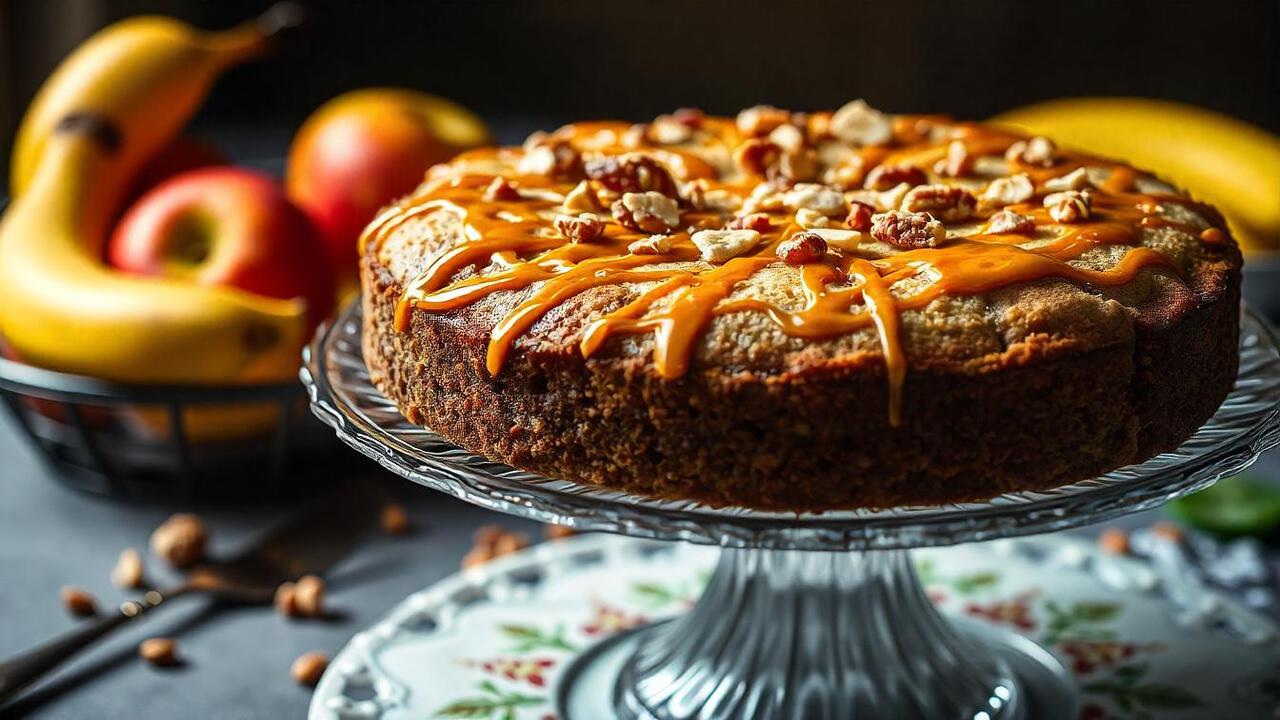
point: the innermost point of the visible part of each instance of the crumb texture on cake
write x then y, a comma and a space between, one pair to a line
802, 311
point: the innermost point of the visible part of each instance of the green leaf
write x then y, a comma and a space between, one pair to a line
977, 581
521, 631
1237, 506
1094, 612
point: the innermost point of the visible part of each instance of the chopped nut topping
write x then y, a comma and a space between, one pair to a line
755, 221
1069, 206
818, 198
78, 602
635, 136
801, 248
652, 245
395, 521
859, 216
756, 156
798, 166
540, 160
846, 176
718, 246
631, 173
1077, 179
180, 540
787, 137
947, 203
700, 196
308, 595
1038, 151
859, 123
583, 228
582, 198
892, 198
839, 237
761, 120
667, 130
692, 117
1008, 191
649, 212
908, 229
501, 190
807, 218
883, 177
765, 196
309, 668
957, 163
159, 651
1008, 222
128, 570
286, 600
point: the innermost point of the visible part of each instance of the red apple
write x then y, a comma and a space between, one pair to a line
361, 150
226, 226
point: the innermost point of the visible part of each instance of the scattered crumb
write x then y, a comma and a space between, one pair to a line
128, 572
308, 595
395, 521
159, 651
180, 540
1114, 541
309, 667
79, 602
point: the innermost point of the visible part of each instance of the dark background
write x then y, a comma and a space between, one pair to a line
553, 61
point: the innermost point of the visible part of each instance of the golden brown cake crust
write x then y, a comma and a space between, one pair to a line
1028, 385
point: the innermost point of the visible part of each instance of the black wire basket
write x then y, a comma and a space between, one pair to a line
155, 442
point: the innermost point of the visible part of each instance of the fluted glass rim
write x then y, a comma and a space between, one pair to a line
342, 396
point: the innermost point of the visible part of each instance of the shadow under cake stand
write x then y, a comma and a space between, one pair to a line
816, 616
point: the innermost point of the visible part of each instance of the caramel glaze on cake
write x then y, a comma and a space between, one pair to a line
801, 311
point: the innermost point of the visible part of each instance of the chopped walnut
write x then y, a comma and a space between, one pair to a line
180, 540
128, 572
947, 203
1008, 222
1069, 206
582, 198
787, 137
859, 123
549, 155
807, 218
667, 130
802, 248
652, 245
649, 212
1038, 151
756, 156
761, 120
755, 221
78, 602
883, 177
1008, 191
309, 668
700, 196
908, 229
859, 216
631, 173
958, 161
159, 651
718, 246
1077, 179
582, 228
501, 190
818, 198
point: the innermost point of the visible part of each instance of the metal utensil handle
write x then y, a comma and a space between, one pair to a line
26, 667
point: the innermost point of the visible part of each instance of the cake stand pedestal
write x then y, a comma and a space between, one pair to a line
815, 616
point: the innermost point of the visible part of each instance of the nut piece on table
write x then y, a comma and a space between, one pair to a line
581, 229
1008, 190
815, 197
1009, 222
308, 596
908, 229
78, 602
582, 198
631, 173
180, 540
719, 246
1038, 151
1114, 541
286, 599
885, 177
1069, 206
958, 161
802, 248
761, 120
652, 245
947, 203
128, 572
501, 190
860, 124
395, 521
649, 212
159, 651
1077, 179
859, 216
309, 668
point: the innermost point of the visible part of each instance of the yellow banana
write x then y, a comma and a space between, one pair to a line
1227, 162
110, 106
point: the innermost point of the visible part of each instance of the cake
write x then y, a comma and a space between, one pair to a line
801, 311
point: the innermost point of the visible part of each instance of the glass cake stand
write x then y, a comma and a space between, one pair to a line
814, 616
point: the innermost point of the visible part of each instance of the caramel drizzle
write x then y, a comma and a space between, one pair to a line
842, 293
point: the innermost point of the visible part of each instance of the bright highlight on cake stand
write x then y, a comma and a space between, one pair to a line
814, 616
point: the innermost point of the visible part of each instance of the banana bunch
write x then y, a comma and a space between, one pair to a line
1226, 162
112, 105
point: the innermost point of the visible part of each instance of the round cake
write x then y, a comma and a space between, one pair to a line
802, 311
